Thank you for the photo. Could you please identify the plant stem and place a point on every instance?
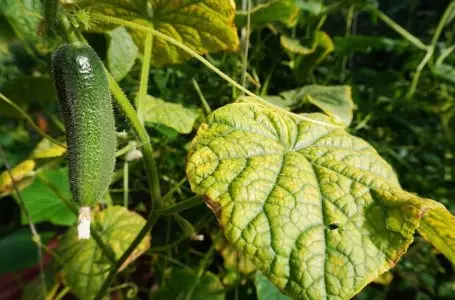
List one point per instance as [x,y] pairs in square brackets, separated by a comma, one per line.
[180,206]
[188,50]
[246,41]
[125,183]
[431,49]
[400,30]
[140,100]
[206,106]
[152,219]
[147,149]
[30,121]
[203,265]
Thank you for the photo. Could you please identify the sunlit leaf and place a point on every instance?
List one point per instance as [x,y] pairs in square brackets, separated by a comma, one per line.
[121,54]
[318,211]
[43,198]
[180,282]
[47,149]
[438,227]
[203,25]
[265,290]
[283,11]
[85,265]
[22,174]
[173,115]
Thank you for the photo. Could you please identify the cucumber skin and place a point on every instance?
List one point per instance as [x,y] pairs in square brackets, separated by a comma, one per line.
[86,107]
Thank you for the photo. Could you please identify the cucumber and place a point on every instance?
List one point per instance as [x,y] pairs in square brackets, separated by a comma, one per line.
[86,107]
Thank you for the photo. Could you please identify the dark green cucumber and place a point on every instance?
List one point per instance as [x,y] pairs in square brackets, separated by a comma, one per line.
[86,106]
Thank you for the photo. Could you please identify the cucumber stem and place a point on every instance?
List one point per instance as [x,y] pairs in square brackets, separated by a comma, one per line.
[83,226]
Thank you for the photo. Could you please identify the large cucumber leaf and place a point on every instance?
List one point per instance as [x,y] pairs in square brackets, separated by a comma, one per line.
[317,210]
[203,25]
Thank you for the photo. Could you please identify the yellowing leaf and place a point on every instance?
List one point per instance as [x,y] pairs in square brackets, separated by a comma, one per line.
[47,149]
[438,227]
[20,173]
[176,116]
[318,211]
[85,267]
[203,25]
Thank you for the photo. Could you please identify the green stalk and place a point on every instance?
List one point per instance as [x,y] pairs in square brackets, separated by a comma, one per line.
[140,100]
[147,149]
[400,30]
[431,49]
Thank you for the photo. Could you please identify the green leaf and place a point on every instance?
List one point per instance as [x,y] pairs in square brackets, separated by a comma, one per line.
[42,198]
[283,11]
[121,54]
[359,43]
[437,227]
[18,251]
[294,46]
[204,25]
[336,101]
[318,211]
[265,290]
[180,282]
[313,7]
[85,266]
[445,72]
[173,115]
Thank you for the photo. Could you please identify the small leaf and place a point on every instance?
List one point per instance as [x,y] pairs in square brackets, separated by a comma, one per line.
[265,290]
[233,259]
[204,25]
[384,279]
[438,227]
[22,173]
[47,149]
[293,46]
[85,266]
[276,182]
[283,11]
[173,115]
[43,202]
[18,251]
[365,44]
[121,54]
[180,282]
[336,101]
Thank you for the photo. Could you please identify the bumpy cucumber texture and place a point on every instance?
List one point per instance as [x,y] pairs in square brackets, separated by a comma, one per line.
[85,103]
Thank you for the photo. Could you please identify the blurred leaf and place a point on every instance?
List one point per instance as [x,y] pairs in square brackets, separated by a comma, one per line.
[360,43]
[233,259]
[23,175]
[121,54]
[283,11]
[180,282]
[336,101]
[384,279]
[290,193]
[47,149]
[42,198]
[18,251]
[204,26]
[26,91]
[85,266]
[313,7]
[445,72]
[265,290]
[438,227]
[24,16]
[305,57]
[173,115]
[293,46]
